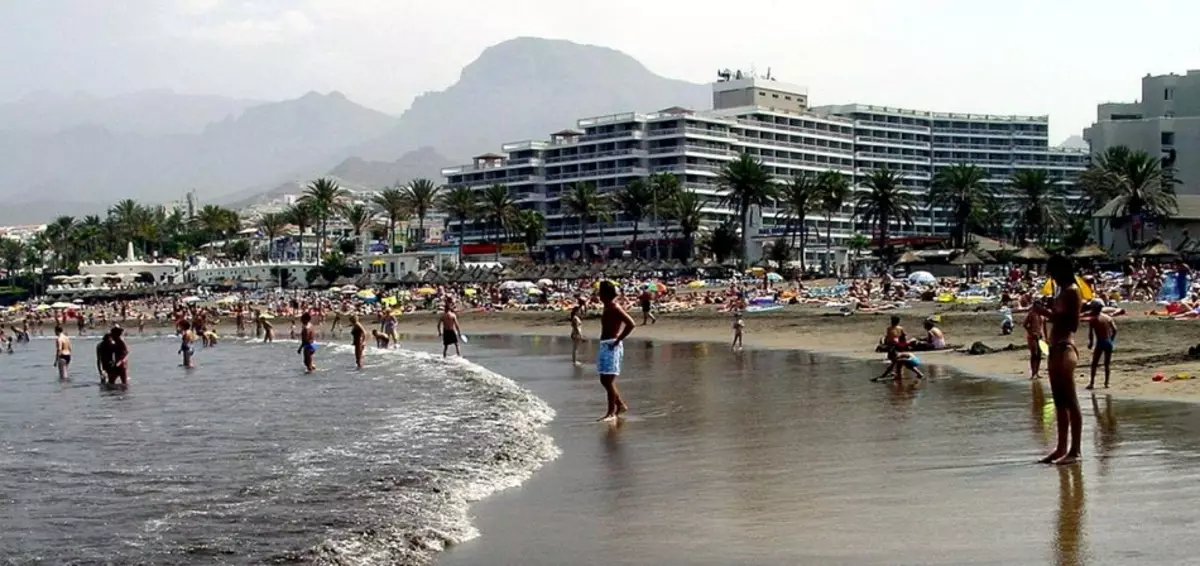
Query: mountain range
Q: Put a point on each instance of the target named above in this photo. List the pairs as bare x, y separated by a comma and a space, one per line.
61, 154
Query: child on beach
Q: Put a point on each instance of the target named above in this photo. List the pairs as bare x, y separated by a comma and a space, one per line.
738, 326
899, 361
447, 327
1102, 331
615, 326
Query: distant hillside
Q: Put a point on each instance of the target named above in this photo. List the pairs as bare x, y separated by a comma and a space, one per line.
425, 162
268, 142
151, 112
526, 88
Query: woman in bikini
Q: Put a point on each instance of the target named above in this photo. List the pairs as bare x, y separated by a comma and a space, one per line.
1063, 311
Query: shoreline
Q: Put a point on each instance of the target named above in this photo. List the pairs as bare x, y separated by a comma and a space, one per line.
1146, 345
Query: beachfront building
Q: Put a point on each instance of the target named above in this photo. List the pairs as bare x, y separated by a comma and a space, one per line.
258, 274
165, 270
1165, 122
772, 121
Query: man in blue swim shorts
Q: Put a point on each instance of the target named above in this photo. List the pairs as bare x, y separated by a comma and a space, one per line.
308, 342
1102, 331
615, 326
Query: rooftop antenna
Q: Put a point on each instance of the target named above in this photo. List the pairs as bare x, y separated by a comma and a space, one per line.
769, 77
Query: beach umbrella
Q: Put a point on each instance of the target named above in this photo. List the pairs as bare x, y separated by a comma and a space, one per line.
696, 284
389, 301
379, 263
62, 306
229, 300
1091, 251
545, 283
1157, 249
191, 299
1032, 253
78, 301
43, 307
266, 316
426, 291
365, 293
921, 278
533, 291
774, 277
966, 259
470, 292
908, 258
350, 287
1085, 290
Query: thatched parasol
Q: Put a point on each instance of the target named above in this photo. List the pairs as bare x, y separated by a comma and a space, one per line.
909, 257
1157, 249
1091, 251
1032, 253
966, 259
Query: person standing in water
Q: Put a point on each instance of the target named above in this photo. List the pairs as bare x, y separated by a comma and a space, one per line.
358, 335
62, 352
576, 331
615, 326
119, 368
308, 344
738, 327
1063, 311
186, 344
267, 328
1035, 332
448, 329
104, 356
1102, 330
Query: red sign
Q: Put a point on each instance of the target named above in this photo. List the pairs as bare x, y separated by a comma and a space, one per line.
478, 249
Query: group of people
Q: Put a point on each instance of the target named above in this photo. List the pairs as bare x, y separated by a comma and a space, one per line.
112, 356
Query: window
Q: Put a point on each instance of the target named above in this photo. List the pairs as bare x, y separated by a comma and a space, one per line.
774, 96
1168, 93
1167, 138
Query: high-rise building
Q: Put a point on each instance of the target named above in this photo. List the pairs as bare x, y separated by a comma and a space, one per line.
1165, 123
771, 121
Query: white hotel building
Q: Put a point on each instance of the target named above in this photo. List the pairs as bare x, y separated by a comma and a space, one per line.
771, 121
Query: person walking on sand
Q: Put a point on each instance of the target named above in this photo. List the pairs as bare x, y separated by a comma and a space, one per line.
308, 344
738, 326
1063, 311
447, 327
62, 352
615, 326
1102, 331
646, 301
576, 330
1035, 333
358, 336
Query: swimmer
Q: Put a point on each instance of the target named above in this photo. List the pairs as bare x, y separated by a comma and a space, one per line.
358, 336
738, 326
615, 326
62, 352
576, 331
186, 344
1102, 330
447, 328
1063, 312
308, 345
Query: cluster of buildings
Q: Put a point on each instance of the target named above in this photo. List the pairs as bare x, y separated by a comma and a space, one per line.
772, 121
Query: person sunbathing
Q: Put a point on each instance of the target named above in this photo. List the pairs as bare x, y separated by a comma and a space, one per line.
934, 339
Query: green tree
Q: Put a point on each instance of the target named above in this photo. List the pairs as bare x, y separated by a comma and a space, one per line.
324, 197
800, 197
421, 195
1037, 203
359, 217
127, 215
747, 184
1136, 184
961, 189
532, 226
461, 204
12, 254
272, 226
238, 250
395, 207
722, 243
302, 216
884, 202
835, 191
500, 208
687, 209
665, 187
635, 201
60, 235
582, 201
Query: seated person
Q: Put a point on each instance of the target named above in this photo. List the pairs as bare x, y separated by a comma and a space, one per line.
934, 339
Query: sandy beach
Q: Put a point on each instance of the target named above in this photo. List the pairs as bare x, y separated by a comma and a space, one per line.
1146, 345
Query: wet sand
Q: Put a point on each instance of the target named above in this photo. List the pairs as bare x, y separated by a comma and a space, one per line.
783, 457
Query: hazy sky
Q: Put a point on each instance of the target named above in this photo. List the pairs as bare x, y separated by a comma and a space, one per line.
1057, 57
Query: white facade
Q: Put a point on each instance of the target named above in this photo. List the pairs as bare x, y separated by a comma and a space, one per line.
166, 270
217, 272
790, 140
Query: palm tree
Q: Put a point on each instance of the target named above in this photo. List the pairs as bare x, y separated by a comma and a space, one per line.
884, 203
1037, 203
359, 217
532, 226
634, 200
664, 187
723, 241
583, 201
1099, 181
462, 204
215, 222
126, 215
961, 189
60, 235
1136, 185
324, 196
12, 255
688, 210
500, 208
395, 206
272, 225
302, 216
747, 184
835, 191
421, 196
799, 198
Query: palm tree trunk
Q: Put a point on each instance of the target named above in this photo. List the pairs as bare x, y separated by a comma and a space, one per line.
803, 236
633, 244
745, 234
825, 263
582, 239
462, 233
420, 231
